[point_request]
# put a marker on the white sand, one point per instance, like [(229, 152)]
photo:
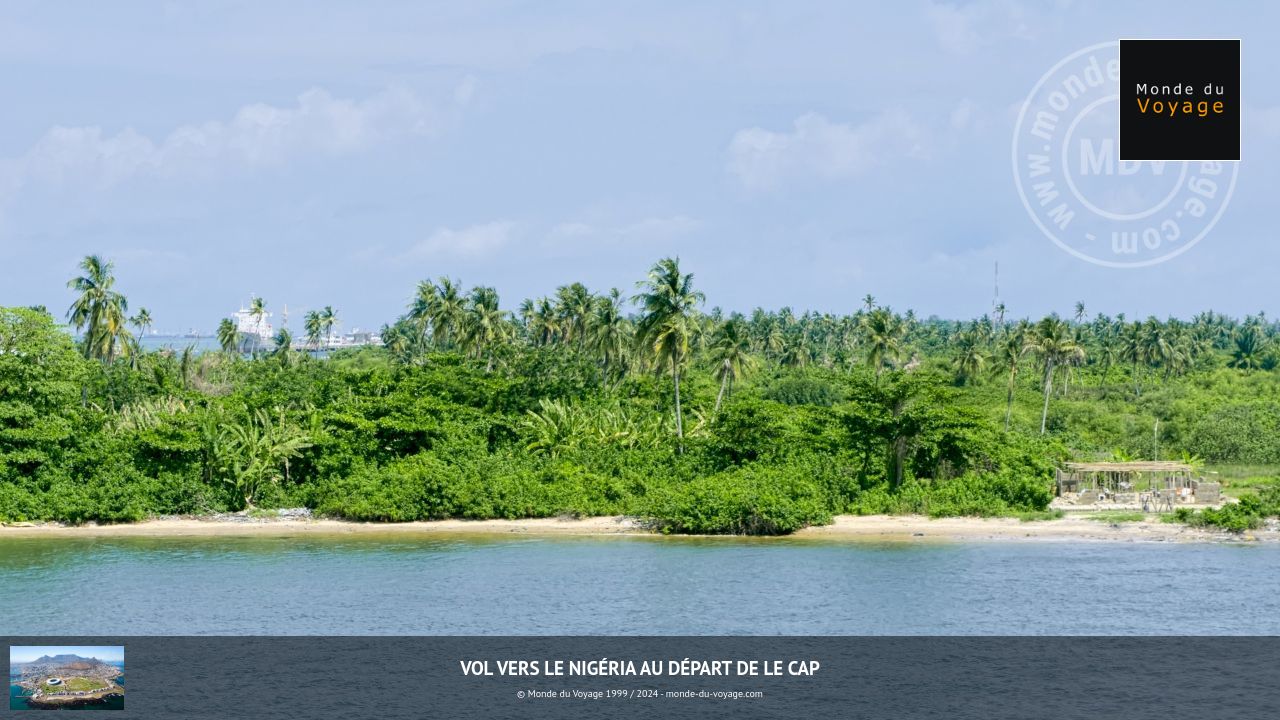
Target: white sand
[(910, 528)]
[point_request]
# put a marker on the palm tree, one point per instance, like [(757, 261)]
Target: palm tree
[(668, 304), (448, 313), (328, 319), (185, 363), (142, 321), (396, 340), (970, 360), (883, 333), (1011, 350), (99, 310), (1134, 349), (541, 322), (484, 324), (1251, 347), (1052, 341), (1080, 311), (228, 336), (1158, 343), (1108, 351), (313, 325), (283, 350), (730, 353), (574, 304), (258, 311), (422, 309), (794, 353), (608, 330)]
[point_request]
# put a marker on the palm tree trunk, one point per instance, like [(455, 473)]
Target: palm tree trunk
[(675, 374), (1048, 390), (1008, 412), (897, 449), (724, 382), (899, 460)]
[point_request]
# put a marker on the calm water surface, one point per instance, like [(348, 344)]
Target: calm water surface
[(381, 585)]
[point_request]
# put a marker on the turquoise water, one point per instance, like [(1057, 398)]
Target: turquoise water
[(178, 344), (629, 585)]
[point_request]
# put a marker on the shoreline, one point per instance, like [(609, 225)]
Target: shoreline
[(851, 528)]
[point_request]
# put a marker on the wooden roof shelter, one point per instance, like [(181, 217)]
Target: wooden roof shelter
[(1125, 476), (1141, 466)]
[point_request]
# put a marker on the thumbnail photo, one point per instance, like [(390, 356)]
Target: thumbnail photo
[(53, 677)]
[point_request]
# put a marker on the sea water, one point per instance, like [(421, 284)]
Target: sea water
[(393, 585)]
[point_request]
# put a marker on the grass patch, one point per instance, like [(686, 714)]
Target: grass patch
[(1240, 480), (1117, 516), (82, 684), (1038, 515)]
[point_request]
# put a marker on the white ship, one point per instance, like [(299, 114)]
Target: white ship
[(255, 329), (257, 332), (339, 341)]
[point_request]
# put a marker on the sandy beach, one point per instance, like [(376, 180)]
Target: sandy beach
[(872, 528)]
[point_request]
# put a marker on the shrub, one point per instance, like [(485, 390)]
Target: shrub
[(742, 501), (1247, 514), (977, 494), (805, 391), (414, 488)]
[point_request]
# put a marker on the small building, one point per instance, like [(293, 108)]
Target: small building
[(1154, 484)]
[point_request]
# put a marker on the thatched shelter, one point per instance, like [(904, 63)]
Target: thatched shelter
[(1174, 481)]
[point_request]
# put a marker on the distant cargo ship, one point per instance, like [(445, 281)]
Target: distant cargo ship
[(256, 331), (253, 327)]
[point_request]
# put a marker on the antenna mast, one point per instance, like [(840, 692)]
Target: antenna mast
[(995, 298)]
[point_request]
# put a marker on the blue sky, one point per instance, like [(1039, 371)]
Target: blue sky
[(27, 653), (800, 154)]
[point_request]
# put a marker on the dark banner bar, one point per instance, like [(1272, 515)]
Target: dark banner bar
[(687, 677)]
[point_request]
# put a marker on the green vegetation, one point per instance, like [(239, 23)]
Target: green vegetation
[(588, 403), (1248, 514), (83, 684), (1117, 516), (1037, 515)]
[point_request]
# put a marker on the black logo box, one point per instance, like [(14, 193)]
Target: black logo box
[(1186, 67)]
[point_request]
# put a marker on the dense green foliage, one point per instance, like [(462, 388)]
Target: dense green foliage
[(701, 423), (1248, 514)]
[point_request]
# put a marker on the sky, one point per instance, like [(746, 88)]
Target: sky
[(27, 653), (791, 154)]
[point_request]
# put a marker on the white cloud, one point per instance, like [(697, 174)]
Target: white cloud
[(1264, 121), (964, 115), (476, 241), (647, 229), (817, 147), (954, 27), (962, 28), (465, 91), (257, 135)]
